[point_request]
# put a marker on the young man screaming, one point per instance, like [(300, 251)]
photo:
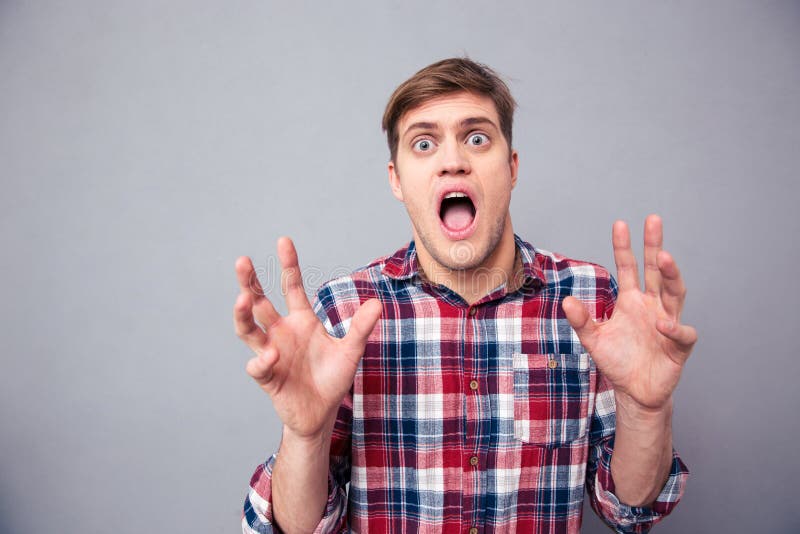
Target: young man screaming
[(468, 382)]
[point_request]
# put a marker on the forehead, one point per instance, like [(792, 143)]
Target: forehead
[(449, 110)]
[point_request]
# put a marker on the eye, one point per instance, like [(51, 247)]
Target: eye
[(478, 139), (423, 145)]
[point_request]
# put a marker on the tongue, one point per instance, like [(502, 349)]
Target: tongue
[(457, 215)]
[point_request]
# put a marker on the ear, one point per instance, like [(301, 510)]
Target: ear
[(394, 182), (514, 163)]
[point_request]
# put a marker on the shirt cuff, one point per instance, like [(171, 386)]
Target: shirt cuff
[(258, 517), (636, 519)]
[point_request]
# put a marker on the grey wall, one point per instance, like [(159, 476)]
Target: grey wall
[(145, 145)]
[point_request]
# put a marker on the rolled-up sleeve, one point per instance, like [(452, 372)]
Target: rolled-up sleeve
[(631, 519), (257, 516)]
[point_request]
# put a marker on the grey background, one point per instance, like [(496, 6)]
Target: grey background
[(145, 145)]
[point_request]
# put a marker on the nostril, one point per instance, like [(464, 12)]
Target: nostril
[(455, 168)]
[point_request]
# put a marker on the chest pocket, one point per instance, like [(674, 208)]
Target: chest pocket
[(551, 398)]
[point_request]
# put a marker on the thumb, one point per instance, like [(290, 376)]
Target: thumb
[(362, 324), (579, 318)]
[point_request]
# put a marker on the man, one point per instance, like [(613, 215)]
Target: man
[(469, 382)]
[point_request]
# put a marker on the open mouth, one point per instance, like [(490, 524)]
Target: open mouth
[(457, 212)]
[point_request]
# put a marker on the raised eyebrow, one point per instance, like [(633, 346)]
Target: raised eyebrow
[(477, 121), (420, 126)]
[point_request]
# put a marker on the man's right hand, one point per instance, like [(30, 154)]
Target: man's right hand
[(305, 371)]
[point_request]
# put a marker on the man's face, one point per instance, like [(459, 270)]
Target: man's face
[(454, 171)]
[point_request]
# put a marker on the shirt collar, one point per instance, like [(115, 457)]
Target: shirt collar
[(404, 263), (532, 272)]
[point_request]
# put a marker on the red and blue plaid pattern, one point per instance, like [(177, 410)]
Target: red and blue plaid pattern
[(490, 416)]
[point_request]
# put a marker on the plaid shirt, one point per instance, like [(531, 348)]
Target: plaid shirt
[(488, 417)]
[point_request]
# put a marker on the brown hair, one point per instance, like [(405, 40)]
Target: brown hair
[(442, 78)]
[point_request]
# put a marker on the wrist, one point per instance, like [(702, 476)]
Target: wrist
[(315, 440), (636, 414)]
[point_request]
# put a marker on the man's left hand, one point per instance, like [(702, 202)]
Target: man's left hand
[(642, 348)]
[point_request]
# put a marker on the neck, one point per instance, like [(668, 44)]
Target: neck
[(474, 284)]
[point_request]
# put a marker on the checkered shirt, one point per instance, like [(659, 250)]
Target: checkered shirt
[(488, 417)]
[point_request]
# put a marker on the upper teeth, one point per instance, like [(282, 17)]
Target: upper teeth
[(455, 195)]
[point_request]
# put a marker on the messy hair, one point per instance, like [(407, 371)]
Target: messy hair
[(442, 78)]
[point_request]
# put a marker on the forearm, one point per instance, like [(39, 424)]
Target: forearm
[(300, 482), (640, 463)]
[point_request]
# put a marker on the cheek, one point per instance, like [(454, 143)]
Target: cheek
[(414, 187), (500, 190)]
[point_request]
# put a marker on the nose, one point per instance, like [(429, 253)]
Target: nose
[(453, 159)]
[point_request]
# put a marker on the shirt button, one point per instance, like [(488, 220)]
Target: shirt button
[(473, 385), (552, 364), (473, 530), (473, 311), (473, 460)]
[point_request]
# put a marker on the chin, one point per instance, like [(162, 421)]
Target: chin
[(459, 255)]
